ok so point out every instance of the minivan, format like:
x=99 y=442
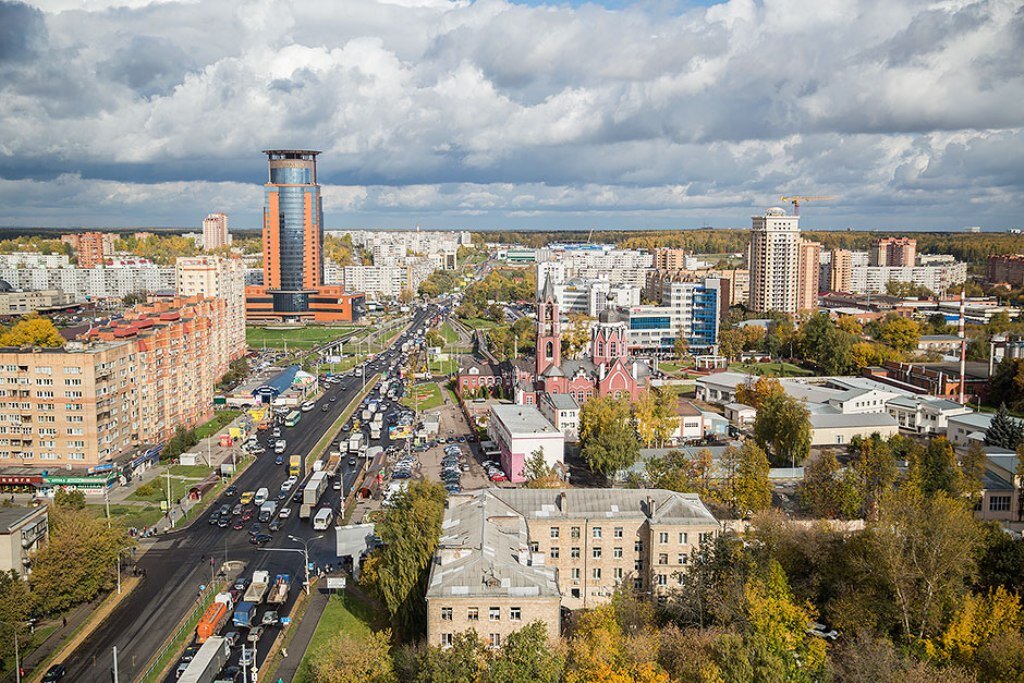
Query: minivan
x=261 y=496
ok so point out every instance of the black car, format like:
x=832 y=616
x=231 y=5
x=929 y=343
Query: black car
x=297 y=498
x=55 y=673
x=255 y=529
x=214 y=518
x=231 y=490
x=229 y=674
x=260 y=539
x=275 y=525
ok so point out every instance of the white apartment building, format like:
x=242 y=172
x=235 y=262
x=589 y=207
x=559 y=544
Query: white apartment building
x=938 y=278
x=223 y=278
x=382 y=281
x=92 y=283
x=33 y=259
x=774 y=262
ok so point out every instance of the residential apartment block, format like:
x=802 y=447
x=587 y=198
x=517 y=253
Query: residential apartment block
x=50 y=271
x=807 y=276
x=90 y=247
x=214 y=276
x=215 y=231
x=893 y=251
x=508 y=557
x=1008 y=268
x=127 y=383
x=774 y=262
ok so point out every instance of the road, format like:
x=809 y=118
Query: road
x=180 y=562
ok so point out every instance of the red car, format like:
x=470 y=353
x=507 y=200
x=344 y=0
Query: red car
x=498 y=476
x=247 y=514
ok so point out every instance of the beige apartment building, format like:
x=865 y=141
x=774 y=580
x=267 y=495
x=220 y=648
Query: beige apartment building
x=125 y=384
x=774 y=261
x=211 y=276
x=215 y=231
x=508 y=557
x=841 y=272
x=22 y=302
x=808 y=276
x=893 y=251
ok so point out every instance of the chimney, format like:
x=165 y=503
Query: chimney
x=563 y=502
x=651 y=505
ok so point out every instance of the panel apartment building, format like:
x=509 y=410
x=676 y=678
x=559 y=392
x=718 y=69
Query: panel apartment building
x=508 y=557
x=128 y=383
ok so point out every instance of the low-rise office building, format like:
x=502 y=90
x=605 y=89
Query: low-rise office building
x=22 y=532
x=15 y=302
x=563 y=412
x=519 y=431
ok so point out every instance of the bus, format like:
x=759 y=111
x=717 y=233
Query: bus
x=292 y=419
x=295 y=466
x=323 y=519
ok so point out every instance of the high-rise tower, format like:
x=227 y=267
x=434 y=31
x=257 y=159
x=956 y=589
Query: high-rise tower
x=293 y=239
x=774 y=262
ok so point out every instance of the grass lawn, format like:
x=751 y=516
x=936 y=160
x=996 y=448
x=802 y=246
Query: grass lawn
x=344 y=614
x=298 y=338
x=774 y=369
x=449 y=333
x=191 y=471
x=443 y=367
x=427 y=396
x=669 y=366
x=156 y=490
x=220 y=420
x=478 y=323
x=137 y=516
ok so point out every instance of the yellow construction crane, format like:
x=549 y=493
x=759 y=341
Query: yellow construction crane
x=796 y=199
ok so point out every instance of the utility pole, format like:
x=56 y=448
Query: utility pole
x=170 y=511
x=115 y=664
x=963 y=342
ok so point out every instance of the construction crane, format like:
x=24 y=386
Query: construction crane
x=796 y=199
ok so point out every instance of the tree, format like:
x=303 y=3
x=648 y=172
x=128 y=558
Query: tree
x=655 y=416
x=676 y=471
x=866 y=354
x=681 y=348
x=938 y=468
x=907 y=289
x=465 y=660
x=599 y=652
x=924 y=549
x=78 y=561
x=730 y=343
x=828 y=491
x=1007 y=383
x=538 y=474
x=972 y=472
x=898 y=332
x=73 y=500
x=746 y=487
x=576 y=335
x=783 y=429
x=754 y=393
x=32 y=330
x=1004 y=431
x=16 y=604
x=434 y=338
x=527 y=657
x=608 y=441
x=347 y=659
x=409 y=529
x=875 y=466
x=979 y=619
x=826 y=345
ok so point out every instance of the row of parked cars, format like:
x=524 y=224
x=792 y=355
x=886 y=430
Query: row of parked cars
x=494 y=471
x=452 y=468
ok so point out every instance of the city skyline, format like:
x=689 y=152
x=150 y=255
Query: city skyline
x=626 y=116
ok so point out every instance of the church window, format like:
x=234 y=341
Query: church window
x=600 y=348
x=549 y=350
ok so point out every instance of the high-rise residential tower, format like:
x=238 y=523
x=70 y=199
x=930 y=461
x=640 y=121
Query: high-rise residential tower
x=893 y=251
x=775 y=262
x=293 y=237
x=841 y=273
x=808 y=276
x=215 y=231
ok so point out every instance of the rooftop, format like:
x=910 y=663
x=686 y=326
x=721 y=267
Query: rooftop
x=563 y=401
x=10 y=518
x=836 y=420
x=659 y=505
x=522 y=419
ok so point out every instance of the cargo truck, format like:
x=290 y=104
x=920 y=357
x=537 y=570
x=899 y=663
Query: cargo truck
x=245 y=612
x=279 y=591
x=374 y=431
x=214 y=617
x=355 y=443
x=267 y=511
x=333 y=463
x=367 y=414
x=295 y=466
x=258 y=588
x=208 y=662
x=311 y=494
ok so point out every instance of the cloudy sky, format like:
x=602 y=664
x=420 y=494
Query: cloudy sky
x=522 y=115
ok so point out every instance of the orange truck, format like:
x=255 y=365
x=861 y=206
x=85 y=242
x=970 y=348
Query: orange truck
x=214 y=617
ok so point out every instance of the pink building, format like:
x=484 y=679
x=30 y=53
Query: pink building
x=519 y=431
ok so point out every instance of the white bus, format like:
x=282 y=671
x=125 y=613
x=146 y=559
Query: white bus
x=323 y=518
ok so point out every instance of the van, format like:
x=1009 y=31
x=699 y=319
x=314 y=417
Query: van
x=267 y=511
x=323 y=519
x=261 y=497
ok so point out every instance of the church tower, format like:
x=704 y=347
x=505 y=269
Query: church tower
x=549 y=339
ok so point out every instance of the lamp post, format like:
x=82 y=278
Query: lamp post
x=304 y=552
x=17 y=653
x=118 y=561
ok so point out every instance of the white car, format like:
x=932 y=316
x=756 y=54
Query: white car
x=289 y=483
x=337 y=484
x=308 y=406
x=285 y=513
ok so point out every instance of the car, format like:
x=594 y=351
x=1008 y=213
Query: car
x=223 y=522
x=190 y=653
x=241 y=583
x=255 y=633
x=232 y=638
x=822 y=631
x=230 y=673
x=231 y=491
x=238 y=524
x=307 y=406
x=247 y=514
x=255 y=528
x=258 y=450
x=337 y=484
x=453 y=488
x=237 y=510
x=55 y=673
x=225 y=509
x=282 y=494
x=276 y=433
x=245 y=659
x=285 y=513
x=214 y=517
x=290 y=482
x=325 y=408
x=465 y=467
x=275 y=525
x=270 y=618
x=236 y=596
x=260 y=539
x=247 y=497
x=180 y=671
x=279 y=460
x=499 y=477
x=351 y=461
x=297 y=498
x=332 y=399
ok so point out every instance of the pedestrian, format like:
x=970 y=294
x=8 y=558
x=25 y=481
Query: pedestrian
x=64 y=622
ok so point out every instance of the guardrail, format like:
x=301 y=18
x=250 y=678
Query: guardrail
x=175 y=640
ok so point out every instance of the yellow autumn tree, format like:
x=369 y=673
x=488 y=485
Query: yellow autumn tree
x=755 y=393
x=655 y=417
x=599 y=652
x=32 y=330
x=979 y=619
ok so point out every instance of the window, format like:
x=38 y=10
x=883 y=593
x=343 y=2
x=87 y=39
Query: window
x=515 y=613
x=706 y=536
x=617 y=553
x=663 y=558
x=574 y=532
x=495 y=640
x=575 y=553
x=554 y=532
x=446 y=640
x=683 y=537
x=553 y=553
x=494 y=614
x=662 y=579
x=618 y=532
x=576 y=573
x=999 y=504
x=682 y=559
x=596 y=531
x=595 y=553
x=663 y=537
x=618 y=573
x=638 y=546
x=597 y=573
x=446 y=614
x=473 y=614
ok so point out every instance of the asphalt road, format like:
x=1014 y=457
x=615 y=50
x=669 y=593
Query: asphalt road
x=182 y=561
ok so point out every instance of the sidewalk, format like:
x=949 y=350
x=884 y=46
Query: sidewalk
x=303 y=634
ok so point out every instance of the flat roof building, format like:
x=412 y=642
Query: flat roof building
x=22 y=532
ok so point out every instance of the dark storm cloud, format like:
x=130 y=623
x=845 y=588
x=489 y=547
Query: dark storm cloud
x=149 y=65
x=22 y=31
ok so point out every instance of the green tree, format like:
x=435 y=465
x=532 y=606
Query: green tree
x=1004 y=431
x=538 y=474
x=730 y=343
x=826 y=345
x=73 y=500
x=576 y=335
x=608 y=442
x=1007 y=383
x=745 y=486
x=347 y=659
x=465 y=660
x=434 y=338
x=676 y=471
x=972 y=472
x=938 y=467
x=898 y=332
x=527 y=657
x=875 y=466
x=828 y=491
x=783 y=429
x=681 y=347
x=409 y=529
x=16 y=604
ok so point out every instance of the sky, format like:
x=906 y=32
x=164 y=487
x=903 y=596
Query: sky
x=495 y=114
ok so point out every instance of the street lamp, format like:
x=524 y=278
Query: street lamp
x=17 y=654
x=118 y=562
x=304 y=552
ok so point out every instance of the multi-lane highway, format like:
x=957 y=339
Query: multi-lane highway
x=180 y=562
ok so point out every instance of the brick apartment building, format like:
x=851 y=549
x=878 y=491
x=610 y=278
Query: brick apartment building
x=1008 y=268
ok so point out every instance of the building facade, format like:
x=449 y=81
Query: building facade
x=807 y=276
x=841 y=271
x=19 y=302
x=22 y=532
x=893 y=251
x=90 y=247
x=519 y=431
x=214 y=276
x=774 y=262
x=215 y=231
x=1008 y=268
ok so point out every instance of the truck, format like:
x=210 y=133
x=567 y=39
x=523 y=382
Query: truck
x=355 y=443
x=213 y=618
x=367 y=414
x=245 y=612
x=208 y=662
x=258 y=588
x=333 y=463
x=312 y=493
x=374 y=431
x=279 y=591
x=295 y=466
x=267 y=511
